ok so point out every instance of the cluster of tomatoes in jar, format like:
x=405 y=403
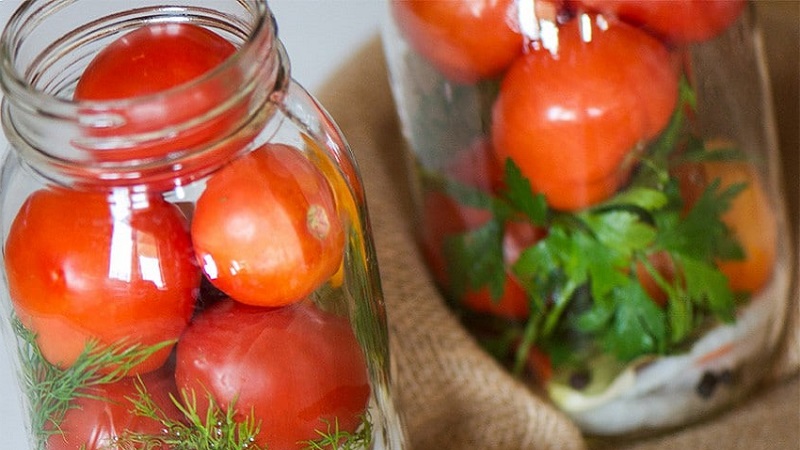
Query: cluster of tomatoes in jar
x=569 y=206
x=152 y=323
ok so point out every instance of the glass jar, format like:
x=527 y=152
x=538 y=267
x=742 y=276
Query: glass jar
x=597 y=196
x=187 y=254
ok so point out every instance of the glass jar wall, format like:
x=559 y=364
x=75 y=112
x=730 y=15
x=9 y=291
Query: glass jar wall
x=597 y=196
x=186 y=249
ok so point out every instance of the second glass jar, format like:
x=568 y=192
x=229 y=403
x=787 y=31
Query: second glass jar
x=187 y=259
x=597 y=195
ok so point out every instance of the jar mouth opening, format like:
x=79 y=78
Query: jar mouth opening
x=122 y=139
x=15 y=82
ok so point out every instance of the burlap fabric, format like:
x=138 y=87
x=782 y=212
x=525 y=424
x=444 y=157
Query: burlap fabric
x=453 y=395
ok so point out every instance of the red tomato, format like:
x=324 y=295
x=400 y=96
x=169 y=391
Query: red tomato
x=296 y=369
x=266 y=230
x=513 y=304
x=106 y=413
x=572 y=121
x=465 y=40
x=87 y=267
x=679 y=21
x=151 y=60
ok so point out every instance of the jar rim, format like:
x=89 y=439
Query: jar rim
x=103 y=140
x=13 y=83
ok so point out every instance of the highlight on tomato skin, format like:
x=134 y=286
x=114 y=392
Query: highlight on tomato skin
x=573 y=121
x=465 y=40
x=296 y=369
x=266 y=230
x=677 y=21
x=83 y=267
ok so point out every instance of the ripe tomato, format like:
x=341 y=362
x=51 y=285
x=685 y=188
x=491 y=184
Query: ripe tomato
x=465 y=40
x=572 y=121
x=297 y=369
x=266 y=229
x=105 y=413
x=152 y=60
x=678 y=21
x=87 y=267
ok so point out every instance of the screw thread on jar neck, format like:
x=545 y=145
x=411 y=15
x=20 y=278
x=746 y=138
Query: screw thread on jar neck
x=170 y=137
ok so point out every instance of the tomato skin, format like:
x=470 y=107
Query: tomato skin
x=60 y=251
x=572 y=122
x=678 y=21
x=266 y=229
x=94 y=422
x=466 y=40
x=294 y=367
x=152 y=60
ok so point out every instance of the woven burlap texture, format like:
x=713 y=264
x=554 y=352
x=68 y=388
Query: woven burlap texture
x=452 y=394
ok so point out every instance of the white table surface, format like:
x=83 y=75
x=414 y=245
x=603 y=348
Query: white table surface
x=319 y=35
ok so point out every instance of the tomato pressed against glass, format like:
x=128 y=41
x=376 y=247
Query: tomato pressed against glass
x=152 y=60
x=572 y=121
x=466 y=40
x=678 y=21
x=266 y=229
x=86 y=267
x=296 y=368
x=103 y=414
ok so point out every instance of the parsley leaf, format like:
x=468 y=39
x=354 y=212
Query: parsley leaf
x=638 y=326
x=475 y=259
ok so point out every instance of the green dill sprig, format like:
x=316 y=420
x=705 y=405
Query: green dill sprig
x=221 y=428
x=334 y=438
x=217 y=429
x=51 y=390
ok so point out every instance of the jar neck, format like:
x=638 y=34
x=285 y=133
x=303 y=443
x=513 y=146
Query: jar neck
x=173 y=136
